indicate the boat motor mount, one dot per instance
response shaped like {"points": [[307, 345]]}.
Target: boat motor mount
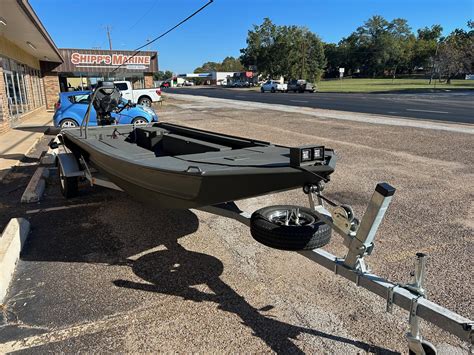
{"points": [[105, 100]]}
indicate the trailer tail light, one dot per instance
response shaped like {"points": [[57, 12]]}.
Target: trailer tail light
{"points": [[158, 92]]}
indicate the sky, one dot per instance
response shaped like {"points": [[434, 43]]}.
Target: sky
{"points": [[221, 29]]}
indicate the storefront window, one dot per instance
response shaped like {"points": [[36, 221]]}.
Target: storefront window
{"points": [[23, 93], [87, 80]]}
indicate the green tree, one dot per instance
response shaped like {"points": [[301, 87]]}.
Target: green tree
{"points": [[425, 47], [261, 50], [162, 75], [380, 46], [208, 67], [288, 51], [456, 53], [232, 64]]}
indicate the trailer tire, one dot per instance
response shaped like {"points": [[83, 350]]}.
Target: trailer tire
{"points": [[266, 228], [69, 185]]}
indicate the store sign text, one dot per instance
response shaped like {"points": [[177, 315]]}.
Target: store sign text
{"points": [[107, 59]]}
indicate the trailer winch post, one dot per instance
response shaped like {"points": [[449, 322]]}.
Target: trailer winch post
{"points": [[363, 242]]}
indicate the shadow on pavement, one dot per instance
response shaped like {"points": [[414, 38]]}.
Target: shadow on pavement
{"points": [[35, 129], [117, 237], [176, 270]]}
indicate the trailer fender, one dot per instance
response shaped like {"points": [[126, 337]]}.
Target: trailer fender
{"points": [[69, 165]]}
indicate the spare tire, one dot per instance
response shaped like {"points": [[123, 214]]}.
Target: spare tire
{"points": [[289, 227]]}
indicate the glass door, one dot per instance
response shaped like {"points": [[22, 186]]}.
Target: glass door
{"points": [[11, 93]]}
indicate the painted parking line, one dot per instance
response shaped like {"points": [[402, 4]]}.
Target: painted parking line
{"points": [[41, 210], [303, 101], [241, 96], [429, 111]]}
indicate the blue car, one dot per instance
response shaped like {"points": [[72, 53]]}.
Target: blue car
{"points": [[72, 106]]}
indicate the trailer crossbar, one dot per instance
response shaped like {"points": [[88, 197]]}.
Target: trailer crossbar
{"points": [[442, 317]]}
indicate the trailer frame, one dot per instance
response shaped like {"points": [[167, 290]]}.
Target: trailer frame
{"points": [[359, 238]]}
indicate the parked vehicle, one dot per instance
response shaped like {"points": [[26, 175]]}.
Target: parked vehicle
{"points": [[138, 96], [273, 86], [71, 109], [300, 86]]}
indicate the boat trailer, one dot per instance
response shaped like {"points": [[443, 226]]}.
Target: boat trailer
{"points": [[359, 239]]}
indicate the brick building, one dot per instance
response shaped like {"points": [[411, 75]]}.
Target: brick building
{"points": [[33, 70], [25, 46]]}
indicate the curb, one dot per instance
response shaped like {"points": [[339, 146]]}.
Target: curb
{"points": [[18, 162], [35, 189], [11, 243], [50, 157]]}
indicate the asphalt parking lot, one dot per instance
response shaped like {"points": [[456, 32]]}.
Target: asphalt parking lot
{"points": [[104, 273]]}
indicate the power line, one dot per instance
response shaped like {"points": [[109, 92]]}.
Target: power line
{"points": [[137, 50], [143, 16]]}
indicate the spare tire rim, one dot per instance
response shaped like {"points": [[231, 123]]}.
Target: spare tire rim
{"points": [[293, 217]]}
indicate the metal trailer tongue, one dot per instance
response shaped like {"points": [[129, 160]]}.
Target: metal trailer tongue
{"points": [[359, 238]]}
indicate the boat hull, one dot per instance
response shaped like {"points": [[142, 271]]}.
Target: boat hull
{"points": [[194, 188]]}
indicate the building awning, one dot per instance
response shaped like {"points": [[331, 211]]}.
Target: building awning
{"points": [[23, 27]]}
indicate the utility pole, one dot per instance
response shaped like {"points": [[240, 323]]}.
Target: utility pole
{"points": [[107, 28], [303, 60]]}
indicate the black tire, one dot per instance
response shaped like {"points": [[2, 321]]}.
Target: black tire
{"points": [[265, 229], [145, 101], [139, 120], [68, 185], [272, 90]]}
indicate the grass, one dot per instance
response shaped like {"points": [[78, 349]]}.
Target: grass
{"points": [[379, 85]]}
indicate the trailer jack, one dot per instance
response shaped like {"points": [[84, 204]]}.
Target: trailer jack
{"points": [[359, 239]]}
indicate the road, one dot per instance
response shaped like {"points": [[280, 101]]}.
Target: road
{"points": [[450, 106]]}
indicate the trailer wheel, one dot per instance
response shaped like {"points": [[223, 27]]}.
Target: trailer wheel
{"points": [[68, 185], [289, 228]]}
